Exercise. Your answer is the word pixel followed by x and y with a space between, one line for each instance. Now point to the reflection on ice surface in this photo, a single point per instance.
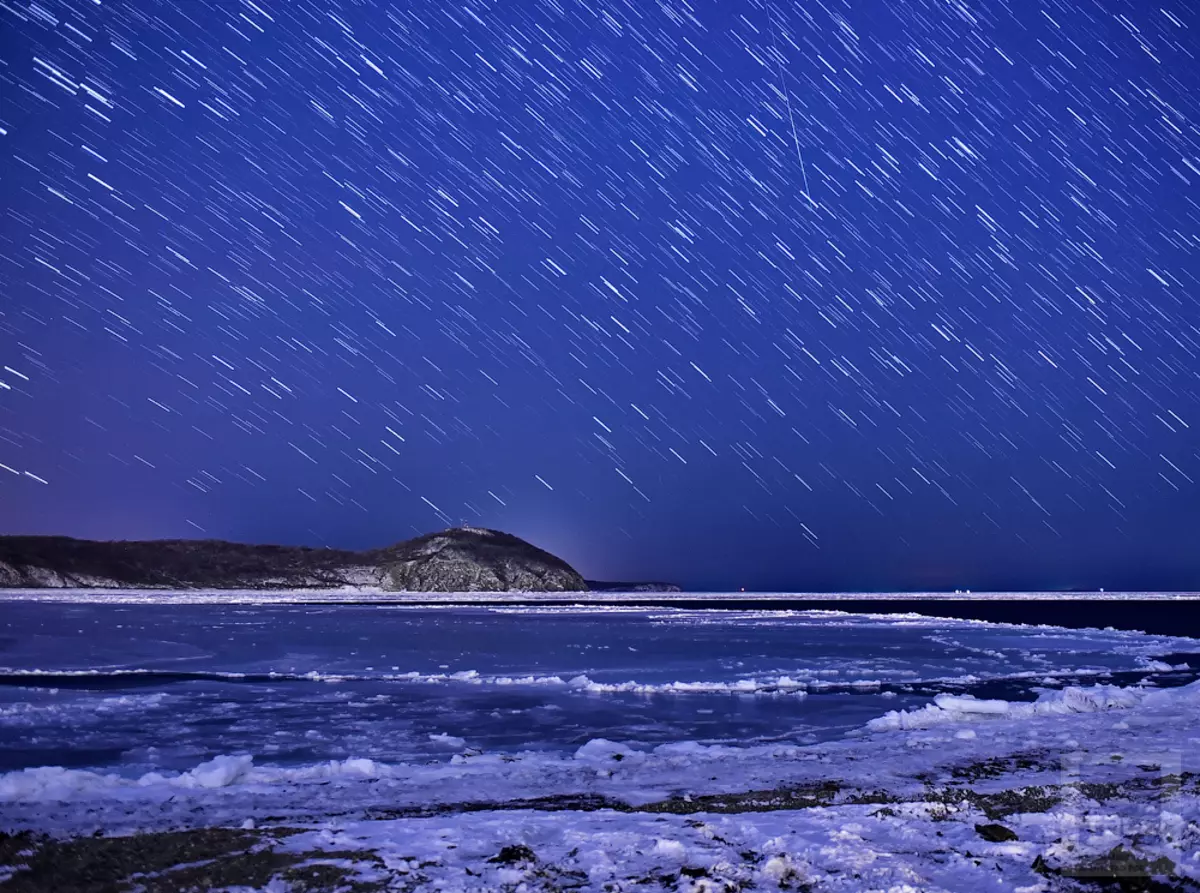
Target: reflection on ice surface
pixel 144 687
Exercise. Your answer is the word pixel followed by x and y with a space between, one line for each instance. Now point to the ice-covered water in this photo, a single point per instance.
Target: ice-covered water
pixel 141 687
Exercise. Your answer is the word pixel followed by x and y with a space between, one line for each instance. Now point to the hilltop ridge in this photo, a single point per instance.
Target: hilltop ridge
pixel 460 559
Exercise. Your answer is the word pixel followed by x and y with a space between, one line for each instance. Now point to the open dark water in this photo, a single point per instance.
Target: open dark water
pixel 1178 617
pixel 1162 617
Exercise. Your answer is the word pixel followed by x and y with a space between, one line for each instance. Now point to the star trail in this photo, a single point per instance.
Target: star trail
pixel 895 293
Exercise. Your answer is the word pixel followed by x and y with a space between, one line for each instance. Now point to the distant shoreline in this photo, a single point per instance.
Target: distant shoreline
pixel 373 595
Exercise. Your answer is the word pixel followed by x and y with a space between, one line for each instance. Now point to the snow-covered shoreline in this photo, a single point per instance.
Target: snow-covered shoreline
pixel 376 595
pixel 958 795
pixel 501 747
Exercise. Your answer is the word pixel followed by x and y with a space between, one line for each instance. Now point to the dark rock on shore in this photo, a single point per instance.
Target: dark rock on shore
pixel 462 559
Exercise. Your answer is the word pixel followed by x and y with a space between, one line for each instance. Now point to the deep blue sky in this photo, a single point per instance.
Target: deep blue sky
pixel 337 273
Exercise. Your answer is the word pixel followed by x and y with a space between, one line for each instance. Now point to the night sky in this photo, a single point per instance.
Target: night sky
pixel 882 294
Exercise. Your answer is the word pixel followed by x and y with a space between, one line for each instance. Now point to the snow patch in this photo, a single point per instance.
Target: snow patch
pixel 602 753
pixel 219 772
pixel 956 709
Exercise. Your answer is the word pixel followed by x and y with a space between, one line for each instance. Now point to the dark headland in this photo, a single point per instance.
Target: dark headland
pixel 652 586
pixel 462 559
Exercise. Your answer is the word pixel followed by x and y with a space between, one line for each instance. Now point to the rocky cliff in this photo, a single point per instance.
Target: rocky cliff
pixel 474 559
pixel 462 559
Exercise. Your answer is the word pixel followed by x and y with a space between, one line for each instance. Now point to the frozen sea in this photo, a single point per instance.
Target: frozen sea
pixel 476 747
pixel 142 687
